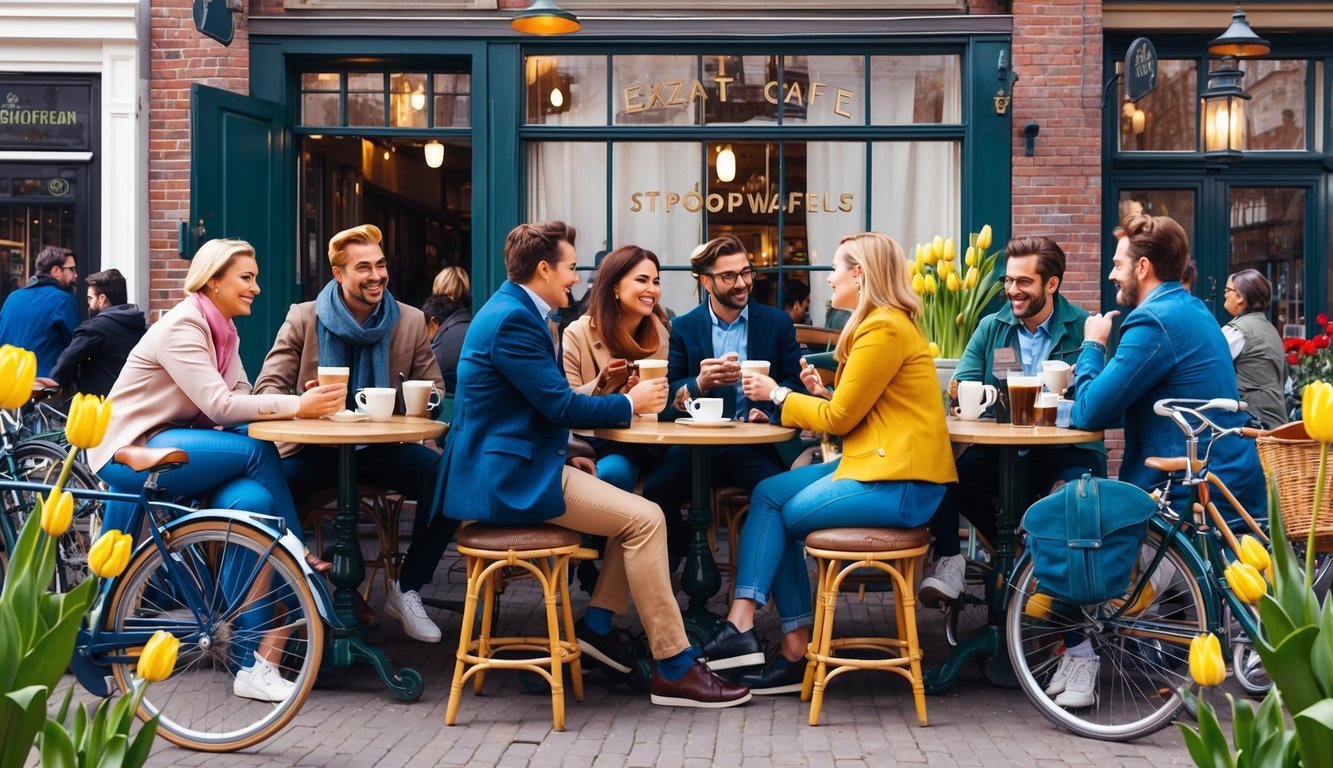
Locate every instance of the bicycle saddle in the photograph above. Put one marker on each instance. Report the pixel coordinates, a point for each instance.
(43, 388)
(1174, 464)
(140, 458)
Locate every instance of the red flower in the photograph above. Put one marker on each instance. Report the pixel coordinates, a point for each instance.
(1321, 319)
(1293, 358)
(1308, 348)
(1291, 345)
(1329, 329)
(1321, 341)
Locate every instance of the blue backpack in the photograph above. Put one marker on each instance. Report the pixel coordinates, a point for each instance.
(1084, 538)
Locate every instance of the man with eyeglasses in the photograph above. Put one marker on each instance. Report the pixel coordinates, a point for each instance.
(42, 315)
(708, 344)
(1038, 324)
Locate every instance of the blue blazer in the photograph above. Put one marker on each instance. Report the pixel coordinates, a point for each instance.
(772, 337)
(505, 453)
(1170, 346)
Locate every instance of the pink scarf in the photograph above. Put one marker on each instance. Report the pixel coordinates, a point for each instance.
(223, 331)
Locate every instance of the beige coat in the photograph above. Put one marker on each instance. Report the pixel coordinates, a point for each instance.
(294, 358)
(171, 378)
(586, 354)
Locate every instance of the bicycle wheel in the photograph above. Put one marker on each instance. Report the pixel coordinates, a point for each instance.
(1144, 657)
(241, 613)
(39, 461)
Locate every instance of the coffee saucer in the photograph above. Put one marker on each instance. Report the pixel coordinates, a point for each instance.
(690, 421)
(349, 417)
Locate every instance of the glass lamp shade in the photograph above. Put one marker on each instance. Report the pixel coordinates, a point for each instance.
(726, 164)
(544, 17)
(1222, 127)
(434, 151)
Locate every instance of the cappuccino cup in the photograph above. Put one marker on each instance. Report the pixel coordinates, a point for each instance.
(419, 396)
(755, 366)
(974, 398)
(705, 408)
(377, 402)
(651, 368)
(332, 375)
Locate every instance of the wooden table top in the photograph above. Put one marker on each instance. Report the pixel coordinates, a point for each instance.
(671, 433)
(398, 429)
(987, 432)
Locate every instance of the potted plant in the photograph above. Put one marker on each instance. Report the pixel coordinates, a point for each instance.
(954, 293)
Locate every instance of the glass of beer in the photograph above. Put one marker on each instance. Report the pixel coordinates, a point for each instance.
(1023, 391)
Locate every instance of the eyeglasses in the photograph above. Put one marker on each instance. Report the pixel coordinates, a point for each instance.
(1023, 283)
(1229, 289)
(70, 269)
(729, 278)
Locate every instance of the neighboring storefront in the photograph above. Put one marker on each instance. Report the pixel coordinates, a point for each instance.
(73, 138)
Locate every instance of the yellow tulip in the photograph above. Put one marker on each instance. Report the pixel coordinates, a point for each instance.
(944, 268)
(973, 277)
(937, 247)
(1246, 582)
(953, 282)
(56, 512)
(918, 284)
(89, 416)
(970, 259)
(1254, 554)
(1038, 606)
(158, 659)
(950, 249)
(18, 370)
(1317, 410)
(931, 285)
(958, 321)
(110, 554)
(983, 239)
(912, 267)
(1206, 664)
(919, 256)
(934, 349)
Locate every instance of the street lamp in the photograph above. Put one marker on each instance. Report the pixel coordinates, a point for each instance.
(1222, 128)
(544, 17)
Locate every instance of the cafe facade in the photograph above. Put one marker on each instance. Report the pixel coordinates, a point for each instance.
(786, 124)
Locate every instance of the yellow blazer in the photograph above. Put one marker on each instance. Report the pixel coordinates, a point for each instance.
(886, 404)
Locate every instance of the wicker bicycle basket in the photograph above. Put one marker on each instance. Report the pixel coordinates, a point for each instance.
(1291, 459)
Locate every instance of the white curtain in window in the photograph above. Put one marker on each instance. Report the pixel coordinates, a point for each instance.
(832, 169)
(567, 182)
(916, 190)
(672, 171)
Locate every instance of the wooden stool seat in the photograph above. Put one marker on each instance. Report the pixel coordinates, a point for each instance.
(544, 551)
(838, 552)
(730, 504)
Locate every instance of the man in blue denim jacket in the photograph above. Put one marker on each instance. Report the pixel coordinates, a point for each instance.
(1170, 347)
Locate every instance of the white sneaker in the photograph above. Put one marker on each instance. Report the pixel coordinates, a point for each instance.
(1081, 684)
(406, 607)
(946, 583)
(1057, 684)
(262, 682)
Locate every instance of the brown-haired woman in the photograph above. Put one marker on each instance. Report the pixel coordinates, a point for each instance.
(625, 322)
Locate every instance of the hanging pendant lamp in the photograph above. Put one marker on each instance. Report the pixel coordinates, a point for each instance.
(544, 17)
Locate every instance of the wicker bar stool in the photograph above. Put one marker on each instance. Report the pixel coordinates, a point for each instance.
(384, 508)
(543, 551)
(729, 505)
(896, 552)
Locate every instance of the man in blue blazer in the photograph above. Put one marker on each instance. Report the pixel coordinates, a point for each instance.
(505, 458)
(708, 344)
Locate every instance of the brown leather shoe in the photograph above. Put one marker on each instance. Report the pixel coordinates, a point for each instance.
(698, 687)
(365, 615)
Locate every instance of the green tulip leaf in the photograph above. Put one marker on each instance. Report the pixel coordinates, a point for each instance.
(22, 715)
(1274, 622)
(1288, 581)
(1321, 656)
(1275, 750)
(1210, 733)
(1242, 728)
(9, 652)
(114, 754)
(1314, 732)
(1200, 752)
(137, 754)
(56, 747)
(1269, 717)
(1289, 666)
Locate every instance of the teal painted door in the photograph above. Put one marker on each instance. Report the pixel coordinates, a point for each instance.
(238, 189)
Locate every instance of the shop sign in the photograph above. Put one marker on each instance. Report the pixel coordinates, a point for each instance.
(679, 93)
(758, 203)
(1140, 69)
(45, 115)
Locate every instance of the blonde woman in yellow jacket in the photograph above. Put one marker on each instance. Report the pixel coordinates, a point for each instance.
(896, 457)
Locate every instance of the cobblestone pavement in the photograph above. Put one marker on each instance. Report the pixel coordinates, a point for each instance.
(350, 721)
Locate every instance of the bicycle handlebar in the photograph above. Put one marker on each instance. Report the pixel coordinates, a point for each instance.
(1169, 406)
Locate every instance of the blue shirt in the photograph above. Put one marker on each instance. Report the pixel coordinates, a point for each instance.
(732, 338)
(1035, 346)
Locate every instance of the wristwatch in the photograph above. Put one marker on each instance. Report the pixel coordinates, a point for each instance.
(779, 394)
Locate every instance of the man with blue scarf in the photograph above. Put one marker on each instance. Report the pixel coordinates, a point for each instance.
(356, 323)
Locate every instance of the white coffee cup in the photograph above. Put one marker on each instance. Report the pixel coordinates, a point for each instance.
(705, 408)
(377, 402)
(331, 374)
(974, 398)
(1055, 375)
(651, 368)
(419, 396)
(755, 366)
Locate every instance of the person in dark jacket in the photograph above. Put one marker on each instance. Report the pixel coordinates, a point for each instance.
(42, 315)
(94, 357)
(447, 322)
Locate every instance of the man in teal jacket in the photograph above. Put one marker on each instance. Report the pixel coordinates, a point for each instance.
(1038, 325)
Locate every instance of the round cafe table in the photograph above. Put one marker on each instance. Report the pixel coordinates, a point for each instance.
(989, 640)
(701, 579)
(349, 642)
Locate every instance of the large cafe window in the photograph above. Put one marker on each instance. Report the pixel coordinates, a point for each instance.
(694, 146)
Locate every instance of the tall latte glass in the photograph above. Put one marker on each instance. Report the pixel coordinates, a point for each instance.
(1023, 391)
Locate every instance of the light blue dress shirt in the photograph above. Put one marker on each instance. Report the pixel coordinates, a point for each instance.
(734, 337)
(1035, 346)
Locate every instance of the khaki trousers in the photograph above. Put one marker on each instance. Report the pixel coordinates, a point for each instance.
(635, 556)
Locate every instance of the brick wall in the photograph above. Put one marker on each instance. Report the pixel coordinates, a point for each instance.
(179, 56)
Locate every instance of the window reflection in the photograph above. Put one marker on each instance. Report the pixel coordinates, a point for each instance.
(565, 90)
(1176, 203)
(1166, 120)
(1268, 234)
(1276, 111)
(655, 90)
(915, 89)
(734, 86)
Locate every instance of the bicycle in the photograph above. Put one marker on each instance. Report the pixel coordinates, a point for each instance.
(227, 584)
(37, 459)
(1177, 592)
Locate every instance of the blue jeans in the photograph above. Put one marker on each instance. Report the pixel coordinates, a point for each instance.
(618, 470)
(785, 508)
